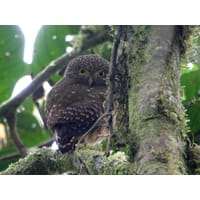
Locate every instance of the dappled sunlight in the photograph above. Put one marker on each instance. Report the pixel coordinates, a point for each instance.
(30, 32)
(3, 137)
(190, 65)
(69, 38)
(69, 49)
(47, 87)
(21, 84)
(38, 117)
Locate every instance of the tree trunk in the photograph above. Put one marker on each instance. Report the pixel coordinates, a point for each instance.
(156, 116)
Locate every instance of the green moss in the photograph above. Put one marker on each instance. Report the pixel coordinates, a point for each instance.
(138, 54)
(42, 161)
(97, 163)
(169, 100)
(193, 161)
(83, 161)
(156, 114)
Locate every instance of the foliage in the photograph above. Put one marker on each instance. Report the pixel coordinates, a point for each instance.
(11, 59)
(50, 44)
(190, 81)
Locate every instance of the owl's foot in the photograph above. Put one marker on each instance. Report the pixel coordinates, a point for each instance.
(107, 152)
(83, 168)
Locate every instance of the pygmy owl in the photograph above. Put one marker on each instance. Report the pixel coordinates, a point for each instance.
(76, 102)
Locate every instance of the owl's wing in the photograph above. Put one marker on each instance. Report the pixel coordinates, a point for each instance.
(79, 115)
(72, 122)
(71, 110)
(66, 101)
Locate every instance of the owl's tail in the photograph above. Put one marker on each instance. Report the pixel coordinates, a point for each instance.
(66, 142)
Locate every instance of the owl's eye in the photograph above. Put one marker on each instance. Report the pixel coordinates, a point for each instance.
(82, 71)
(101, 74)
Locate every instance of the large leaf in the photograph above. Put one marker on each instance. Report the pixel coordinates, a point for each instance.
(12, 66)
(50, 44)
(190, 81)
(30, 130)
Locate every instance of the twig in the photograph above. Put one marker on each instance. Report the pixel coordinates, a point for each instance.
(11, 120)
(111, 77)
(42, 115)
(92, 128)
(47, 143)
(9, 156)
(109, 108)
(82, 162)
(54, 66)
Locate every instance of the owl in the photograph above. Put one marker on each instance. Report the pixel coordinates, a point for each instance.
(76, 102)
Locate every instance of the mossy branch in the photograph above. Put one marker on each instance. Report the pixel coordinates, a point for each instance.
(11, 120)
(87, 161)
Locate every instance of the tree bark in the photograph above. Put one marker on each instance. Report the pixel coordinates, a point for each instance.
(156, 116)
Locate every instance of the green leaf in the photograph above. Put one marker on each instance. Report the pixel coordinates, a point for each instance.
(30, 130)
(12, 66)
(50, 44)
(190, 81)
(193, 112)
(28, 127)
(4, 164)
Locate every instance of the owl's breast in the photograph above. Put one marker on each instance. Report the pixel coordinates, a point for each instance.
(64, 98)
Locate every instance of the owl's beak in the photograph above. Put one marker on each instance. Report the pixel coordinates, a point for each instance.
(91, 81)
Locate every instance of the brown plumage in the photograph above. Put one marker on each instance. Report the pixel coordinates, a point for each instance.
(76, 102)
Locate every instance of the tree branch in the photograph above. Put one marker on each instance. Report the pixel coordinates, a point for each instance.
(11, 120)
(93, 127)
(54, 66)
(111, 83)
(47, 143)
(46, 161)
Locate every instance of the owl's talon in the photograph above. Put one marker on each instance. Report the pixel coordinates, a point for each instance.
(82, 165)
(107, 154)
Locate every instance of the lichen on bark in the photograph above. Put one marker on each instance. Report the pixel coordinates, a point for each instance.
(156, 114)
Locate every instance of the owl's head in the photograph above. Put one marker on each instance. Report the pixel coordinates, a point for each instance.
(90, 70)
